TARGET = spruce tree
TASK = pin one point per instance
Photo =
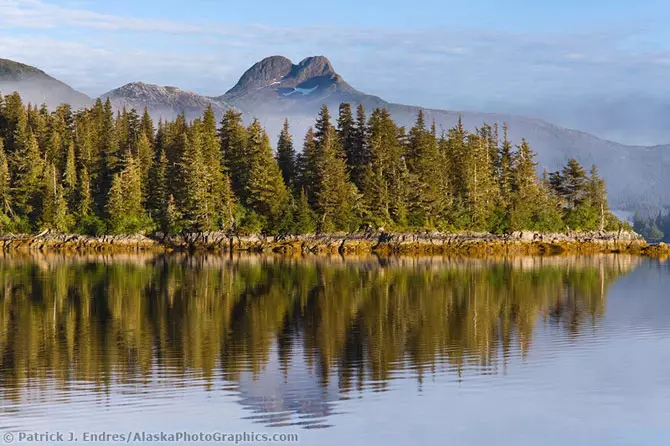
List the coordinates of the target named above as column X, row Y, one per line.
column 346, row 132
column 480, row 183
column 532, row 206
column 132, row 187
column 195, row 201
column 323, row 128
column 505, row 175
column 174, row 144
column 160, row 195
column 109, row 153
column 286, row 157
column 304, row 218
column 28, row 180
column 307, row 168
column 63, row 220
column 172, row 219
column 415, row 142
column 124, row 202
column 54, row 209
column 336, row 197
column 597, row 196
column 54, row 148
column 62, row 120
column 233, row 137
column 116, row 206
column 431, row 196
column 86, row 140
column 358, row 155
column 70, row 174
column 573, row 183
column 384, row 187
column 147, row 127
column 5, row 179
column 461, row 159
column 144, row 157
column 219, row 193
column 49, row 197
column 84, row 198
column 266, row 193
column 15, row 134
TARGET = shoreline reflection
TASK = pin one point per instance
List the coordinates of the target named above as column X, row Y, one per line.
column 289, row 337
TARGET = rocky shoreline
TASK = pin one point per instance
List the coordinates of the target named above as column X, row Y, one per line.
column 380, row 243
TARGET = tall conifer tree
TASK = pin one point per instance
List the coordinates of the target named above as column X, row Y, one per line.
column 266, row 193
column 336, row 197
column 286, row 157
column 5, row 181
column 28, row 182
column 233, row 137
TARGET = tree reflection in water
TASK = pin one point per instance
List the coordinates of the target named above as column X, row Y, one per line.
column 290, row 336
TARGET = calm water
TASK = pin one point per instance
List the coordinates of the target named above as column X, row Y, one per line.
column 532, row 351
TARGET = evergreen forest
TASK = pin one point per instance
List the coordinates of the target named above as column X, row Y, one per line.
column 96, row 171
column 654, row 226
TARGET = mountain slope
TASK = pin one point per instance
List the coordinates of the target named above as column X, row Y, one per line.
column 37, row 87
column 629, row 119
column 162, row 102
column 275, row 88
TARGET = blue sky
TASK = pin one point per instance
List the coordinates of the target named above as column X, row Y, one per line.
column 510, row 15
column 476, row 54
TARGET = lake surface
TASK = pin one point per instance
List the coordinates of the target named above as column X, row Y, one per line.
column 528, row 351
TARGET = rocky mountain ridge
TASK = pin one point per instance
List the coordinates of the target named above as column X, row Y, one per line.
column 162, row 102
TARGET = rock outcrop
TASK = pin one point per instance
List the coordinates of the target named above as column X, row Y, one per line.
column 78, row 243
column 379, row 243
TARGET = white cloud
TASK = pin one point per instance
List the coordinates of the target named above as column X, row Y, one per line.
column 39, row 14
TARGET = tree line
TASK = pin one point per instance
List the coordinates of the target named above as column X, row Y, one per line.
column 654, row 227
column 94, row 171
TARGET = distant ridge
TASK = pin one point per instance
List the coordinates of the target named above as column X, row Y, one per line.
column 275, row 88
column 37, row 87
column 163, row 102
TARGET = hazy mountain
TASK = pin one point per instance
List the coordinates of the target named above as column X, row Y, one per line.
column 37, row 87
column 162, row 102
column 276, row 88
column 628, row 119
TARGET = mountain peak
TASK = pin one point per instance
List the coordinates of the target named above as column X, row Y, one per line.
column 264, row 73
column 282, row 75
column 316, row 66
column 274, row 61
